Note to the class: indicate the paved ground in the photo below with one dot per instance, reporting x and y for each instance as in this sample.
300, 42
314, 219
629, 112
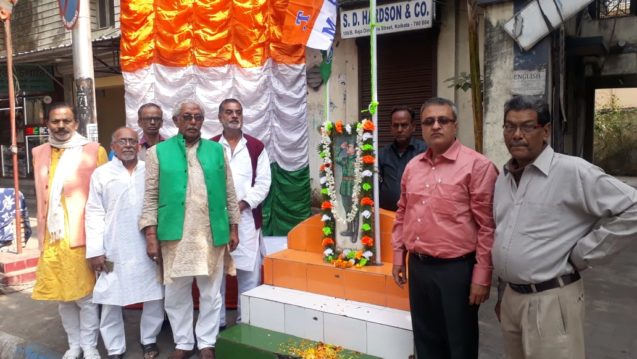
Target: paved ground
611, 319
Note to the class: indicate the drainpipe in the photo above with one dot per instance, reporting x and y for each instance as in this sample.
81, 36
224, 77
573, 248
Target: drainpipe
83, 74
6, 7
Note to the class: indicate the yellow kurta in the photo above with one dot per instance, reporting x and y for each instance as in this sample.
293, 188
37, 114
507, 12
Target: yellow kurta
63, 273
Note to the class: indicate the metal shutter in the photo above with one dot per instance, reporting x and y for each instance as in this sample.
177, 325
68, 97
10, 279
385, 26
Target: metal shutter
406, 74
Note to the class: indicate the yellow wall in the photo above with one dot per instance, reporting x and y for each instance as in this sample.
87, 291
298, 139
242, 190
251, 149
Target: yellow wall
110, 112
627, 97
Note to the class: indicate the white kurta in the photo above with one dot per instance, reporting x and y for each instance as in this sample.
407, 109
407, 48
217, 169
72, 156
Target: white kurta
240, 164
113, 208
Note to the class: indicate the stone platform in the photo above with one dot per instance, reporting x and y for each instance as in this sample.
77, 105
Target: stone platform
301, 267
361, 309
246, 341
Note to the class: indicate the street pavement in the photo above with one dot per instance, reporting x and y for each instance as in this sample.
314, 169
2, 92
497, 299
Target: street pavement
32, 329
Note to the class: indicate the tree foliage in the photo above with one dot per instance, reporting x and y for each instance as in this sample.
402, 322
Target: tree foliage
615, 138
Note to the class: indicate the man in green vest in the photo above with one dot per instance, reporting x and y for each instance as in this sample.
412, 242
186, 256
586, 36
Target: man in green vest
190, 220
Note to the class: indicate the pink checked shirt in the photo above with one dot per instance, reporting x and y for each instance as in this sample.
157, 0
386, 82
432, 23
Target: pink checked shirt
445, 208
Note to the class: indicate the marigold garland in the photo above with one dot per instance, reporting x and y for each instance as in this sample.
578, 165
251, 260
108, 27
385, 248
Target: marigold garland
339, 126
363, 187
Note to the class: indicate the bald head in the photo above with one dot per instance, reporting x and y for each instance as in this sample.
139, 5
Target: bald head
125, 143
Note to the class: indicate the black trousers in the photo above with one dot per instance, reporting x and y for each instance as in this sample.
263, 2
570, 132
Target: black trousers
444, 324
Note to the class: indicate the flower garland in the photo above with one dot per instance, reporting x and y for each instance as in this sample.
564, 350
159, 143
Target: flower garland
363, 186
328, 177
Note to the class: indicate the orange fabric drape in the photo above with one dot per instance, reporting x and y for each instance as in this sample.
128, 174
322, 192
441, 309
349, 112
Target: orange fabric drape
207, 33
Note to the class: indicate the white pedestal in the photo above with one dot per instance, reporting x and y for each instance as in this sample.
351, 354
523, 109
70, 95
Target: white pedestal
367, 328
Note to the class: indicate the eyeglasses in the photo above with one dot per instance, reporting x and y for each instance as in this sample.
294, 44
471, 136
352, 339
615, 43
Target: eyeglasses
524, 128
189, 117
442, 121
127, 141
152, 119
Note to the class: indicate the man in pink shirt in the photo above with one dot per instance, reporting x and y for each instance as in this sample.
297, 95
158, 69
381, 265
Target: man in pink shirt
445, 224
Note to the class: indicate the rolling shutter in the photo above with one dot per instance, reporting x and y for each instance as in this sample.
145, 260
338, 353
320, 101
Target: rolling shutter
406, 74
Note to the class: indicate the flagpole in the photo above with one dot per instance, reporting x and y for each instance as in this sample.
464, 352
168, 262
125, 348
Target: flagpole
5, 15
373, 106
326, 100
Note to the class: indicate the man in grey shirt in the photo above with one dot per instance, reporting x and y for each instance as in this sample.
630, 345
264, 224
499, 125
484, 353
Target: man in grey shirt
555, 215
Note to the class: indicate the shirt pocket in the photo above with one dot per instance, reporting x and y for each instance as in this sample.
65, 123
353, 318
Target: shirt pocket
429, 205
540, 220
451, 202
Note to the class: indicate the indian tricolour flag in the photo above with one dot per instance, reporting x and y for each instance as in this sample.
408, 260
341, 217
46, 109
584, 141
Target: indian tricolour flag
210, 50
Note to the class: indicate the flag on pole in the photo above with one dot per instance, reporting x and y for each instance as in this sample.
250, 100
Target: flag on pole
311, 23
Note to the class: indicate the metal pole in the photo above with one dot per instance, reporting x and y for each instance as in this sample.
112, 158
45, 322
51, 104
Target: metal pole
14, 145
326, 100
83, 73
374, 112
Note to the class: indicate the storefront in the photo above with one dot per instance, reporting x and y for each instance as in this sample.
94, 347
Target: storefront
36, 88
406, 53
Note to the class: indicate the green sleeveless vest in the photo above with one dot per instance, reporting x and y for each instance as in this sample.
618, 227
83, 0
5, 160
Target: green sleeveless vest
173, 178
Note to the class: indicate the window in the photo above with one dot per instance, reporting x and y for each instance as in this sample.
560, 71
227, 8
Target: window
615, 8
105, 13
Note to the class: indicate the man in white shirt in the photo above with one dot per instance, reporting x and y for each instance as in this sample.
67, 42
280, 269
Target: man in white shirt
116, 248
251, 173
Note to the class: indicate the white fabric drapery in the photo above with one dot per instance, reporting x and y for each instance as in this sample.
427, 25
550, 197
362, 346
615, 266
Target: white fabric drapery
273, 98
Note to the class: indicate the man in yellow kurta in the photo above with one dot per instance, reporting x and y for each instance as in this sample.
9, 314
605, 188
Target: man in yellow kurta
190, 220
63, 169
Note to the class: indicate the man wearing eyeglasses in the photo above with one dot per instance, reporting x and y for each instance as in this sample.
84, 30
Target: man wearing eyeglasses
116, 249
190, 220
150, 120
393, 158
555, 215
444, 224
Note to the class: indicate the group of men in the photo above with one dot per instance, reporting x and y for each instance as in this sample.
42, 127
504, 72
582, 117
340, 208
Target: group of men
165, 213
146, 225
537, 224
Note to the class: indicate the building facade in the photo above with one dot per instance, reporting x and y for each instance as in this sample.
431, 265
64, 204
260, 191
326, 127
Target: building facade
413, 65
43, 72
596, 48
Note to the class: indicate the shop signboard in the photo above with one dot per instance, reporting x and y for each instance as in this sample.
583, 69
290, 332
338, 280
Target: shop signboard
394, 17
29, 79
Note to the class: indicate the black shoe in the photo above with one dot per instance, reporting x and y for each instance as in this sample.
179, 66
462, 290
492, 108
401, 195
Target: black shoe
222, 328
116, 356
151, 351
